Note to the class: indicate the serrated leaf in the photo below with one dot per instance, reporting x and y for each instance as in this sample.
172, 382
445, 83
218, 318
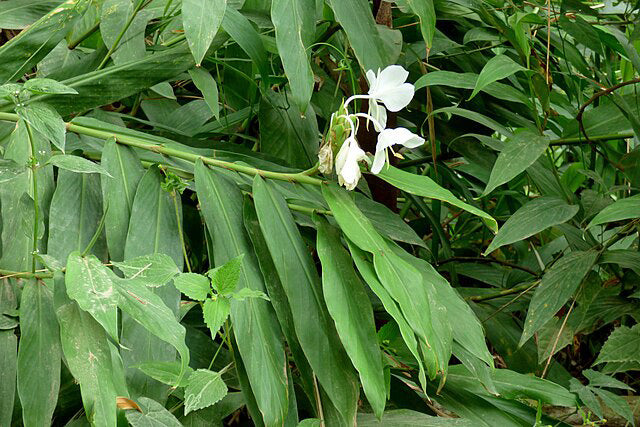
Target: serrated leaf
598, 379
151, 414
586, 396
165, 372
45, 120
201, 20
497, 68
616, 403
195, 286
203, 389
519, 152
623, 345
535, 216
89, 283
556, 287
43, 86
225, 278
77, 164
215, 312
154, 270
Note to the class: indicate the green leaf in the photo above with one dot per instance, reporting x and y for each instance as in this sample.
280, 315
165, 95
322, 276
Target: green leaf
39, 355
245, 293
76, 210
201, 20
425, 187
243, 33
40, 85
115, 14
625, 258
556, 287
617, 403
598, 379
77, 164
535, 216
294, 22
497, 68
148, 309
427, 16
86, 350
123, 165
19, 14
45, 120
520, 152
20, 54
166, 372
8, 361
195, 286
285, 133
153, 415
215, 312
622, 209
587, 397
408, 418
153, 270
356, 19
203, 389
623, 345
207, 85
225, 278
89, 283
350, 308
313, 324
256, 328
10, 170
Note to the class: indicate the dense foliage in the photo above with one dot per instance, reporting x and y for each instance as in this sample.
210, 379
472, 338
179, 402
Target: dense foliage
174, 253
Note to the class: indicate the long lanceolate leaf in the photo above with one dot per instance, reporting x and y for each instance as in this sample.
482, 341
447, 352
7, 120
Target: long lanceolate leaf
201, 20
256, 327
312, 322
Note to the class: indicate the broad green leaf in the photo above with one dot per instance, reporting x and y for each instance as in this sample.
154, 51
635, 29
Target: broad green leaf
476, 117
123, 165
43, 86
9, 170
623, 345
256, 328
77, 164
45, 120
625, 258
16, 247
8, 361
243, 33
214, 415
89, 283
195, 286
356, 19
115, 14
294, 22
408, 418
425, 187
556, 287
535, 216
201, 20
617, 403
313, 324
153, 229
310, 422
153, 270
285, 133
497, 68
20, 54
18, 14
86, 350
166, 372
203, 389
39, 355
350, 308
427, 16
215, 312
153, 415
520, 152
224, 279
148, 309
622, 209
208, 87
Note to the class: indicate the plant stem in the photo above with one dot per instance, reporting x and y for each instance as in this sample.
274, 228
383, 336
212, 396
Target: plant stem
4, 274
510, 291
124, 30
72, 45
174, 196
36, 210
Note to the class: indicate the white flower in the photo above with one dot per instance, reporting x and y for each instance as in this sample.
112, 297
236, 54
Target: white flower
389, 137
347, 160
379, 115
389, 87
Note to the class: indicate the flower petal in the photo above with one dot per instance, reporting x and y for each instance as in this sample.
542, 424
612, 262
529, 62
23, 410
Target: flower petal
397, 97
371, 78
393, 75
378, 162
407, 138
386, 139
379, 114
